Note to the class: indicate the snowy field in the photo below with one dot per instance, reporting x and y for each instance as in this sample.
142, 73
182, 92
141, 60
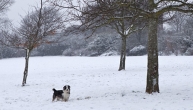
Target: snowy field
96, 84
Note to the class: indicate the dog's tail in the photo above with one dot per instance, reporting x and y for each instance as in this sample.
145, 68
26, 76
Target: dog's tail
54, 89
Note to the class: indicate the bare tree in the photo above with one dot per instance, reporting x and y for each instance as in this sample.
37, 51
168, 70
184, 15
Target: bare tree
37, 28
112, 14
153, 10
97, 13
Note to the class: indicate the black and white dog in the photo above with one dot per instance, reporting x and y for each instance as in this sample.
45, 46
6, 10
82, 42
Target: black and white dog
62, 94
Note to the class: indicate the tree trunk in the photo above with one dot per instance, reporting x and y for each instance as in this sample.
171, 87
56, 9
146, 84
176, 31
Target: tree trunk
26, 67
123, 54
152, 72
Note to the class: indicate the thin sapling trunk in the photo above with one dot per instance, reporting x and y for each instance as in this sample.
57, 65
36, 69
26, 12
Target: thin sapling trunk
123, 54
26, 67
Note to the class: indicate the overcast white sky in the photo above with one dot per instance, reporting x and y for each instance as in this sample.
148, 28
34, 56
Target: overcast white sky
20, 7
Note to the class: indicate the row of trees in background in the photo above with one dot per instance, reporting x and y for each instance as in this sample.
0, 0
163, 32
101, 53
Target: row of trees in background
170, 42
126, 17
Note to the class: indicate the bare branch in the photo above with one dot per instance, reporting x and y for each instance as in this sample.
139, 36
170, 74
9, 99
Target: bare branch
5, 4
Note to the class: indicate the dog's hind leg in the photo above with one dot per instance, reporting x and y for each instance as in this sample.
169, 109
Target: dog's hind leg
57, 98
53, 98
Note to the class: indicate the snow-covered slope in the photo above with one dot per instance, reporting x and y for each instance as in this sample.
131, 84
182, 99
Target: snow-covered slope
95, 84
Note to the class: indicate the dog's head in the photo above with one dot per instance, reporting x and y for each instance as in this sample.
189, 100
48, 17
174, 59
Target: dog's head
66, 88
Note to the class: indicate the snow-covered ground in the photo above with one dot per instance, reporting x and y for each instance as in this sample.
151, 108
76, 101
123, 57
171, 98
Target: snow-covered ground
95, 83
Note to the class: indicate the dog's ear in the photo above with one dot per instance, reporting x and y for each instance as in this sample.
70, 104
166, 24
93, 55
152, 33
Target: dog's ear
68, 86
